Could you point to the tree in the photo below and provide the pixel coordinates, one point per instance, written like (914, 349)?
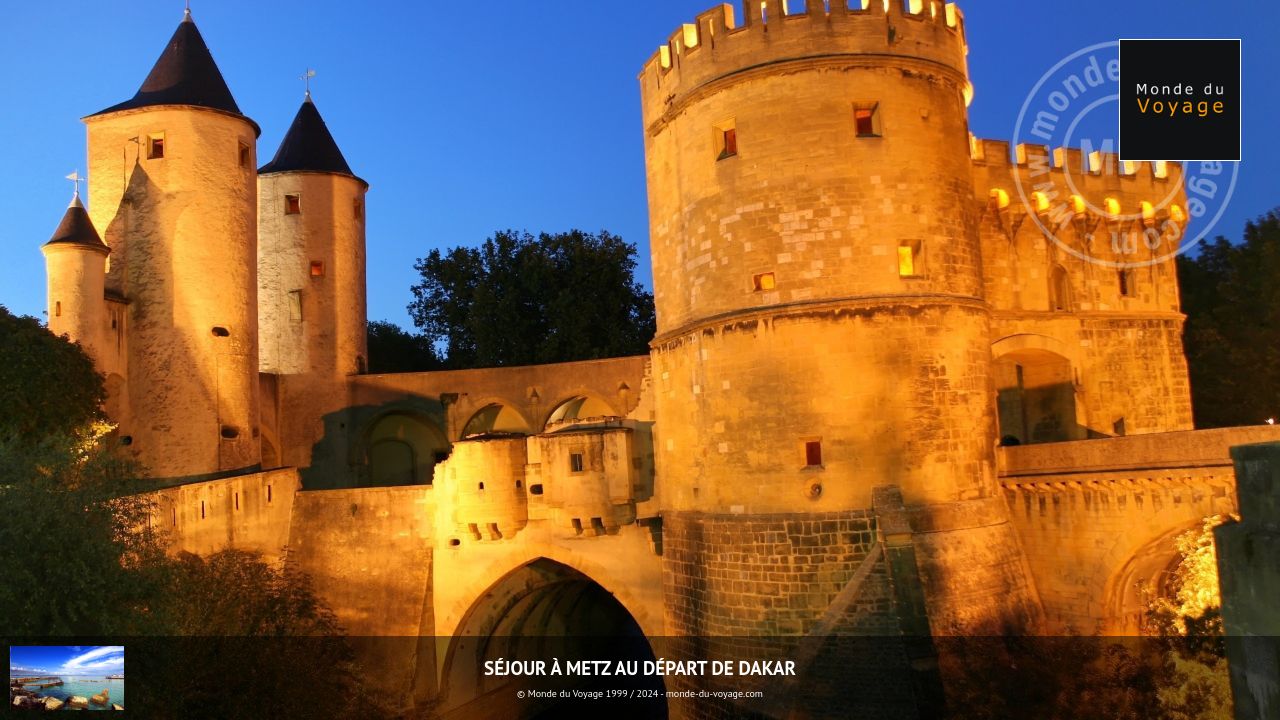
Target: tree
(518, 300)
(48, 386)
(1231, 297)
(393, 350)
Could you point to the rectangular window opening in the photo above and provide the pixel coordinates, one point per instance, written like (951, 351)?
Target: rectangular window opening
(764, 282)
(246, 157)
(726, 139)
(317, 268)
(57, 308)
(575, 462)
(866, 119)
(295, 305)
(813, 453)
(910, 259)
(292, 205)
(155, 146)
(1126, 283)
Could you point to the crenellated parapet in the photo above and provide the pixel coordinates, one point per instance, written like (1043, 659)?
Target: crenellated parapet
(1062, 183)
(718, 44)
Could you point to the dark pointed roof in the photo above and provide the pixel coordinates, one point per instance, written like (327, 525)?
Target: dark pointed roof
(77, 229)
(308, 146)
(185, 74)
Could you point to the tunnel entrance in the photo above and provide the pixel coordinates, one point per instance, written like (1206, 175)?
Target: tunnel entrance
(543, 611)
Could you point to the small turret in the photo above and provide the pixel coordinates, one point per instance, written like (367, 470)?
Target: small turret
(75, 265)
(311, 255)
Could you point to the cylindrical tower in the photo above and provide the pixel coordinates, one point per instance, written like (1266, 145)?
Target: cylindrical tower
(173, 187)
(311, 255)
(75, 266)
(821, 325)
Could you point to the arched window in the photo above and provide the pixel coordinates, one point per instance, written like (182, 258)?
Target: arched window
(494, 418)
(403, 449)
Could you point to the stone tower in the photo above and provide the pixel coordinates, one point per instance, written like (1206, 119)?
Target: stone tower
(75, 267)
(173, 190)
(822, 330)
(311, 255)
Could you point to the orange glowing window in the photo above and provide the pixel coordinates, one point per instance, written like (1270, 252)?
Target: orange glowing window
(813, 453)
(764, 282)
(155, 146)
(317, 268)
(866, 119)
(292, 204)
(726, 139)
(910, 259)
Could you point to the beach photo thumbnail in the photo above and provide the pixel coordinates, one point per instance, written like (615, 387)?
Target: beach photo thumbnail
(66, 677)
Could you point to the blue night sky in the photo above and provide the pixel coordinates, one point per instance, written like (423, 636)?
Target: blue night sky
(66, 660)
(467, 117)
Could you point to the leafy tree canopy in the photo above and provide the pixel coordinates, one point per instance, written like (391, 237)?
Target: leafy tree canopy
(48, 386)
(1231, 296)
(519, 299)
(394, 350)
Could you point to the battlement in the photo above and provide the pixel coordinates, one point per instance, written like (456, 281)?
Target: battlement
(717, 45)
(1061, 174)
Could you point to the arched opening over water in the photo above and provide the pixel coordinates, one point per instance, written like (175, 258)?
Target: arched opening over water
(541, 611)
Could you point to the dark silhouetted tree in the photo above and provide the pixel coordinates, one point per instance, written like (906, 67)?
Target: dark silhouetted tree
(519, 299)
(48, 386)
(1231, 295)
(392, 349)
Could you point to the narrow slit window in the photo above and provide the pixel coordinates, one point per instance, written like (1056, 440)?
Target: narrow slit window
(268, 493)
(813, 453)
(317, 268)
(201, 509)
(866, 119)
(726, 139)
(57, 308)
(1126, 283)
(292, 205)
(155, 146)
(764, 282)
(575, 462)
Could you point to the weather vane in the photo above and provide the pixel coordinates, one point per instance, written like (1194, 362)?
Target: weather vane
(306, 77)
(75, 179)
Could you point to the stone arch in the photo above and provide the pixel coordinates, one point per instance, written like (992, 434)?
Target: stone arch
(401, 447)
(1143, 575)
(1059, 290)
(540, 610)
(580, 406)
(495, 415)
(1036, 393)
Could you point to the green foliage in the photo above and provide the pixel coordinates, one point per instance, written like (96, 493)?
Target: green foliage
(48, 386)
(518, 300)
(393, 350)
(1231, 297)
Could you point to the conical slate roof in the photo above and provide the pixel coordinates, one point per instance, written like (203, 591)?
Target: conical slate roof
(77, 229)
(185, 74)
(308, 146)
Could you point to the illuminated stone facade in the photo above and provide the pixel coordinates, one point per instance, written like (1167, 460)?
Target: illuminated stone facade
(854, 313)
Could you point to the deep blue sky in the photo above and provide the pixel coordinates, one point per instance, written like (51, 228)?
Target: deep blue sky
(66, 660)
(470, 116)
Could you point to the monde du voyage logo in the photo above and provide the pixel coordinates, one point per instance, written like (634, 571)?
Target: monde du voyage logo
(1128, 151)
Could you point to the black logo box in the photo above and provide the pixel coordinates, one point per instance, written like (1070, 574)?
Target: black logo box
(1180, 66)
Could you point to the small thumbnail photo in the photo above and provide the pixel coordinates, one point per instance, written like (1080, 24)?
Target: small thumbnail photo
(66, 677)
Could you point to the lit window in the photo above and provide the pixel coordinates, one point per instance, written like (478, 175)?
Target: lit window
(317, 268)
(813, 453)
(575, 462)
(763, 282)
(1161, 169)
(726, 140)
(866, 119)
(292, 205)
(246, 156)
(910, 259)
(155, 147)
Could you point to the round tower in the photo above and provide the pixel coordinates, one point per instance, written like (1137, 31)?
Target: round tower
(821, 326)
(173, 187)
(311, 255)
(75, 267)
